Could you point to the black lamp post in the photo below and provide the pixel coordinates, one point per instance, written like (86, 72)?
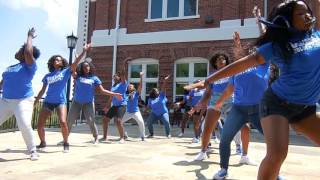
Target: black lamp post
(72, 41)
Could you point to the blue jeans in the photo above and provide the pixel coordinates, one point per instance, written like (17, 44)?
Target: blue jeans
(238, 116)
(164, 118)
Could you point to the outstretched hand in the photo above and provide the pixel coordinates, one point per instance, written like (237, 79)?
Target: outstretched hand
(256, 12)
(236, 40)
(141, 74)
(31, 33)
(87, 47)
(166, 77)
(118, 96)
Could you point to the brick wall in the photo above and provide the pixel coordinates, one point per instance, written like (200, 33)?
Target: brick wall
(167, 54)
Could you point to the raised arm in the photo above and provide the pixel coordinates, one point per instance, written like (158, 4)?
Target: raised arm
(41, 92)
(238, 50)
(124, 70)
(236, 67)
(74, 65)
(140, 82)
(257, 14)
(28, 50)
(163, 86)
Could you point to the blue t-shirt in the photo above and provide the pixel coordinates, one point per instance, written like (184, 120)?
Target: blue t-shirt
(196, 95)
(133, 102)
(57, 83)
(187, 100)
(17, 81)
(85, 88)
(249, 86)
(299, 81)
(120, 88)
(219, 86)
(158, 105)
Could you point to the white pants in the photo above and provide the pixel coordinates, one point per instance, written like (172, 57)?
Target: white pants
(22, 110)
(138, 118)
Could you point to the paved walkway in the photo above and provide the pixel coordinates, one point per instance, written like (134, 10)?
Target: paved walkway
(158, 158)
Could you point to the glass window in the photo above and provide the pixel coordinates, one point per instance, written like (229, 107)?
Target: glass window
(182, 70)
(135, 70)
(173, 8)
(179, 88)
(149, 86)
(156, 9)
(152, 71)
(200, 69)
(190, 7)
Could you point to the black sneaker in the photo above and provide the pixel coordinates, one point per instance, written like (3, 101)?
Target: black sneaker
(150, 136)
(65, 147)
(42, 145)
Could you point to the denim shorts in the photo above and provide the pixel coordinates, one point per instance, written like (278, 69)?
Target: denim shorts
(226, 107)
(52, 106)
(271, 104)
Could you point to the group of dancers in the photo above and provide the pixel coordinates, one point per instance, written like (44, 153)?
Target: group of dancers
(238, 89)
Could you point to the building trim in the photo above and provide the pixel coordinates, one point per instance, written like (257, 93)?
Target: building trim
(224, 32)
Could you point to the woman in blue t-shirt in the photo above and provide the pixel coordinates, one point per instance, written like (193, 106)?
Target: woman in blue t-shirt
(197, 114)
(159, 111)
(116, 108)
(86, 82)
(17, 94)
(185, 105)
(56, 82)
(210, 97)
(133, 111)
(293, 45)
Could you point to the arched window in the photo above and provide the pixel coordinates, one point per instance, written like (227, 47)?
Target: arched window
(186, 71)
(150, 67)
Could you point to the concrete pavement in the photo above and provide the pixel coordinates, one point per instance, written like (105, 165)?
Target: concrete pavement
(158, 158)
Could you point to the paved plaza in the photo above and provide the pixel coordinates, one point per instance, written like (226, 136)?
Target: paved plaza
(157, 158)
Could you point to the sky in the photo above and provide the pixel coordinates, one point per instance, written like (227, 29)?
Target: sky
(53, 20)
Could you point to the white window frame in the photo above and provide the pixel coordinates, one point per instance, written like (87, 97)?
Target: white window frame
(144, 62)
(189, 80)
(164, 12)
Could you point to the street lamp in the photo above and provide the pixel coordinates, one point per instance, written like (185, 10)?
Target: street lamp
(72, 41)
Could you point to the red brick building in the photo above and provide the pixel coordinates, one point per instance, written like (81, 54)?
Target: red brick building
(163, 37)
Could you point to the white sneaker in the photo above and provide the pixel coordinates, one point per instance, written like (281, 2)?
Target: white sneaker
(34, 156)
(95, 141)
(195, 140)
(246, 160)
(181, 134)
(216, 140)
(169, 136)
(121, 141)
(201, 156)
